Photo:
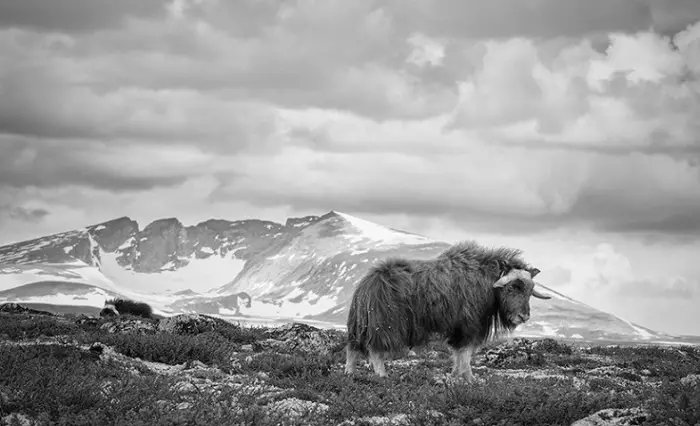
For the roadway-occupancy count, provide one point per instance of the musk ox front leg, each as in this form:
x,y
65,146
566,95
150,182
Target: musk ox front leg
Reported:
x,y
461,362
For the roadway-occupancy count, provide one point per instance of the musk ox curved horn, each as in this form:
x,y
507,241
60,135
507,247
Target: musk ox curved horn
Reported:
x,y
539,295
512,275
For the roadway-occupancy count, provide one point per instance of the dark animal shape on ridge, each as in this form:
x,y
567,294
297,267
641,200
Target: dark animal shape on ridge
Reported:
x,y
467,294
118,306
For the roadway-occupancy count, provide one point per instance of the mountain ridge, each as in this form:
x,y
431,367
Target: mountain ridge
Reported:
x,y
303,269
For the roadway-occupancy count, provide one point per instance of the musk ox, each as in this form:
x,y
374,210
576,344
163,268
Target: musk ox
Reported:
x,y
467,294
119,306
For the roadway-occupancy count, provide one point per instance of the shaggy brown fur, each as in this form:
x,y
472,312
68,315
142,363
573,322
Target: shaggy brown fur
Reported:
x,y
400,302
125,306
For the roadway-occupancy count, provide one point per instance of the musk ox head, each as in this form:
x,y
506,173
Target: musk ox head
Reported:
x,y
515,289
109,310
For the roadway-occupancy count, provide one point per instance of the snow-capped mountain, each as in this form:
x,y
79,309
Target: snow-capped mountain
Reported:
x,y
248,269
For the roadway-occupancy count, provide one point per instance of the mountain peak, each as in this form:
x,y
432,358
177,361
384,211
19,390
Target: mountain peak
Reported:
x,y
357,230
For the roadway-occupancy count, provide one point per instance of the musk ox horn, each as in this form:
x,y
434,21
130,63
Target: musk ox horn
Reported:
x,y
539,295
522,274
512,275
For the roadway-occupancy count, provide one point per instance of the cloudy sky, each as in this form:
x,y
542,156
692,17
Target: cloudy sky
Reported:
x,y
569,128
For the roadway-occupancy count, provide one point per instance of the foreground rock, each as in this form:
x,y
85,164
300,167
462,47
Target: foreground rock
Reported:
x,y
616,417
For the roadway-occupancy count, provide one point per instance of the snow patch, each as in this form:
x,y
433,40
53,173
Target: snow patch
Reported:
x,y
126,244
380,234
640,331
356,251
95,297
311,304
207,250
99,228
212,272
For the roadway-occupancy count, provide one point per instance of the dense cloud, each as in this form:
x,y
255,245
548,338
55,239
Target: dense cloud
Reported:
x,y
76,16
23,214
370,108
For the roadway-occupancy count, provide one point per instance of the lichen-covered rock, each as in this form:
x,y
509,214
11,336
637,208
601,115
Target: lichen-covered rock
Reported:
x,y
16,308
295,408
187,324
302,338
691,380
515,350
616,372
17,419
615,417
130,325
83,319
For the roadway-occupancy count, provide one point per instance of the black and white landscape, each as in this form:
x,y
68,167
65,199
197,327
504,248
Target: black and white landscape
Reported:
x,y
245,162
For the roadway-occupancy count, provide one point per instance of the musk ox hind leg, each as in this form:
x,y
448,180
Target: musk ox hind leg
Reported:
x,y
376,358
352,355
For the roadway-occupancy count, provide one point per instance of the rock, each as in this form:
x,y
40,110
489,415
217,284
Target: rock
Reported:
x,y
393,420
295,408
302,338
187,324
516,350
184,387
16,308
83,319
691,380
616,372
615,417
129,325
18,420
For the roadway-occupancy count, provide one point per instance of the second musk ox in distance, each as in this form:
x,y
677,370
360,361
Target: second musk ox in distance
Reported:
x,y
467,294
119,306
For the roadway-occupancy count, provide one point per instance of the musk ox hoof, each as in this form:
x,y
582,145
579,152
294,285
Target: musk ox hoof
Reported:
x,y
464,377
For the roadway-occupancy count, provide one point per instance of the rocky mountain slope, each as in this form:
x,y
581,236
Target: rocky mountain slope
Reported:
x,y
249,270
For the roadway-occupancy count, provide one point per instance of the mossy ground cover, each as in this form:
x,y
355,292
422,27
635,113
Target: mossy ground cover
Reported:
x,y
64,381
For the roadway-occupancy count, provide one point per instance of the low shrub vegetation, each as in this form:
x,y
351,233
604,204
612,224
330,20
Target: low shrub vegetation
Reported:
x,y
69,380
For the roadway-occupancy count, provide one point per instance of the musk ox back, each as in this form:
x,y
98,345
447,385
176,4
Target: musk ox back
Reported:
x,y
467,294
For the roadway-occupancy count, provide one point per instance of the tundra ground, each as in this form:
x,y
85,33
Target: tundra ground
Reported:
x,y
197,370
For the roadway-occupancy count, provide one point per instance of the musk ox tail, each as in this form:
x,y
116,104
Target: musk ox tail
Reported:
x,y
380,317
124,306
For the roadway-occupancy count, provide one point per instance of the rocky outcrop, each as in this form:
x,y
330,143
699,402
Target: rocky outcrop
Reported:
x,y
187,324
520,350
16,308
615,417
130,326
301,222
110,235
298,337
